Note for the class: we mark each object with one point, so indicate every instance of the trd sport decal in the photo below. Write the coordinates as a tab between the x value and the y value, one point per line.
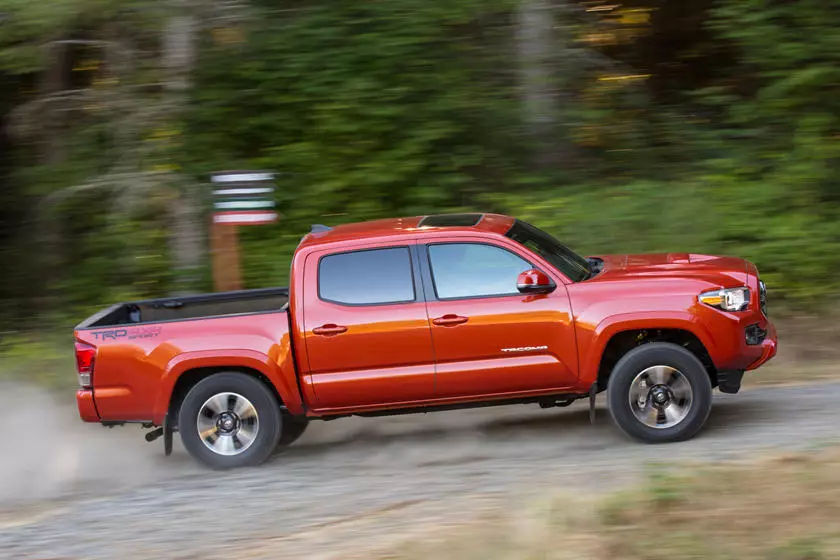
131	334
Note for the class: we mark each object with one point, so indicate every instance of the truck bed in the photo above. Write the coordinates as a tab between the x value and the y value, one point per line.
189	307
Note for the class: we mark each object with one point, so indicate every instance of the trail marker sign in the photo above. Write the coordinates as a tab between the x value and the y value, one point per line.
242	198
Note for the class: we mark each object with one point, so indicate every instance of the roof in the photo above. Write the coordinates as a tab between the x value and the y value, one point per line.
410	226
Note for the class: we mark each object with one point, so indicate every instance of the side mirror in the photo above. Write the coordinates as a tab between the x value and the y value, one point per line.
535	281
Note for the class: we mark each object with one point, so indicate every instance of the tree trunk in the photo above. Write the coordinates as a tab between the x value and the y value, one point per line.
537	46
49	258
53	81
186	240
186	226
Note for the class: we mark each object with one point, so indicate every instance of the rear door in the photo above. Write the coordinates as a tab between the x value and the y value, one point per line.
489	339
366	330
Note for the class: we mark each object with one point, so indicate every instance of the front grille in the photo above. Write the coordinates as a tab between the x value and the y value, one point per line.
762	297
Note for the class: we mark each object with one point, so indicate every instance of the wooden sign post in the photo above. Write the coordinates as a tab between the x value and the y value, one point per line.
239	198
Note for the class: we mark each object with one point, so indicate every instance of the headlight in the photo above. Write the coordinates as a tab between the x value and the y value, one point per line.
728	299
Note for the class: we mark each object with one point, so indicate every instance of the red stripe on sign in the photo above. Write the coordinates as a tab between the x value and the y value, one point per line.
244	218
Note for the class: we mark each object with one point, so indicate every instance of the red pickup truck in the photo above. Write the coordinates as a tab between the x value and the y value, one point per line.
428	313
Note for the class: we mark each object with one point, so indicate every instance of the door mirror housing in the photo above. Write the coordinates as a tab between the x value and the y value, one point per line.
535	281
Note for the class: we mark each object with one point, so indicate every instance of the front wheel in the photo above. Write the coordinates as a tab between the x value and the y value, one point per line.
230	420
659	392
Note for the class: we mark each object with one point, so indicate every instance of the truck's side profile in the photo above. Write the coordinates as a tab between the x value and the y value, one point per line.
420	313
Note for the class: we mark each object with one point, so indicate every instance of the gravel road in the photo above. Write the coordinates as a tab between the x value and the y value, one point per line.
81	491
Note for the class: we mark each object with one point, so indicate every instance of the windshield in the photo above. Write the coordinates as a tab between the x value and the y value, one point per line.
564	259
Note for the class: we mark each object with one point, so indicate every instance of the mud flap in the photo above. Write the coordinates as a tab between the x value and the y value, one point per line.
729	381
593	390
167	436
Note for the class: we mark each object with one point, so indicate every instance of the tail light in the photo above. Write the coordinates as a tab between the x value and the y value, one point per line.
85	357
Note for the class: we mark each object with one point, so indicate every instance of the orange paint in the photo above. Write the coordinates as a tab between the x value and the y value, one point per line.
429	351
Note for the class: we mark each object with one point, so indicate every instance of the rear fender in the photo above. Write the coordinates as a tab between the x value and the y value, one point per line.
281	374
615	324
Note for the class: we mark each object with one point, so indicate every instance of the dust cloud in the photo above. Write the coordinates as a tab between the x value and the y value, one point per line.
48	453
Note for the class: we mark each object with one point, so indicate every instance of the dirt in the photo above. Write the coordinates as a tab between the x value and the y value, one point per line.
348	487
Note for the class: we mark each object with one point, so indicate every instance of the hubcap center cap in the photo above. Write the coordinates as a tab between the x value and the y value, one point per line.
661	396
227	422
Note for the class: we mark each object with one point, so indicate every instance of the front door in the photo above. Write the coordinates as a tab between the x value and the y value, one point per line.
366	330
489	339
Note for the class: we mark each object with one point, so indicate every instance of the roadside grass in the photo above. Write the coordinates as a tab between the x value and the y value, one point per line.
785	508
45	360
778	508
808	353
783	371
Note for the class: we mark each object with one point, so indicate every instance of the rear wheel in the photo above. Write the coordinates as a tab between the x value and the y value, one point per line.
659	392
230	420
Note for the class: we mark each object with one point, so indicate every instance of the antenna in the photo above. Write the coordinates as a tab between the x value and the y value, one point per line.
319	228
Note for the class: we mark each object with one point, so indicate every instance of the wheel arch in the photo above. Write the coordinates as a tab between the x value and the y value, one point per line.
192	377
188	369
618	335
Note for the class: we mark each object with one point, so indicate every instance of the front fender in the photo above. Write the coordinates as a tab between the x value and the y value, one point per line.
600	335
281	373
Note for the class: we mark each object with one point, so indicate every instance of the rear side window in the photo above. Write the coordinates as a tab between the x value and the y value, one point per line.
368	277
464	270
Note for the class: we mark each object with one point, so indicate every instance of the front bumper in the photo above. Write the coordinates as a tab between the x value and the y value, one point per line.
87	408
768	347
730	338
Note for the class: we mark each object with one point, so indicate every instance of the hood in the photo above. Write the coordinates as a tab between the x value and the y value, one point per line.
673	264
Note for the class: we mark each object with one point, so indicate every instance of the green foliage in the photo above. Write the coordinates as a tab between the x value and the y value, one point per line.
786	98
45	360
369	109
808	548
24	27
794	248
27	27
372	109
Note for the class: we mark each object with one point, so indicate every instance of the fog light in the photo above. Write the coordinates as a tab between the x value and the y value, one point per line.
754	335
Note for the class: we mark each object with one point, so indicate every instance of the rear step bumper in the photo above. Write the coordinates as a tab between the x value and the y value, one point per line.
87	409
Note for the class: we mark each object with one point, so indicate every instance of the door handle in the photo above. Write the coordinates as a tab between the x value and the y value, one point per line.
449	320
329	329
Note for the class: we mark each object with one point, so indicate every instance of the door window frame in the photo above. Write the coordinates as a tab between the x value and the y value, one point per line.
416	282
429	278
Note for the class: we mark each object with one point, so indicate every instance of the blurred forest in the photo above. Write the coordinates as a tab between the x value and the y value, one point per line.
644	125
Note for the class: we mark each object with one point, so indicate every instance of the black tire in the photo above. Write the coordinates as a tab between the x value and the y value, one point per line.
263	401
293	428
647	356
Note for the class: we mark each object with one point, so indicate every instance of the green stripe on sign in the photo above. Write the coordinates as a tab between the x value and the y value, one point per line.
222	199
244	204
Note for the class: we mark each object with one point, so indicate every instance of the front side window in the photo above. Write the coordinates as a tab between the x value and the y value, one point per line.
369	277
464	270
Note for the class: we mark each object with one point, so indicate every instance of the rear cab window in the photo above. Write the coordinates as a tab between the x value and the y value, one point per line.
367	277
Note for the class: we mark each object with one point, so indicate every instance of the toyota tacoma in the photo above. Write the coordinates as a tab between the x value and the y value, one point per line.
428	313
